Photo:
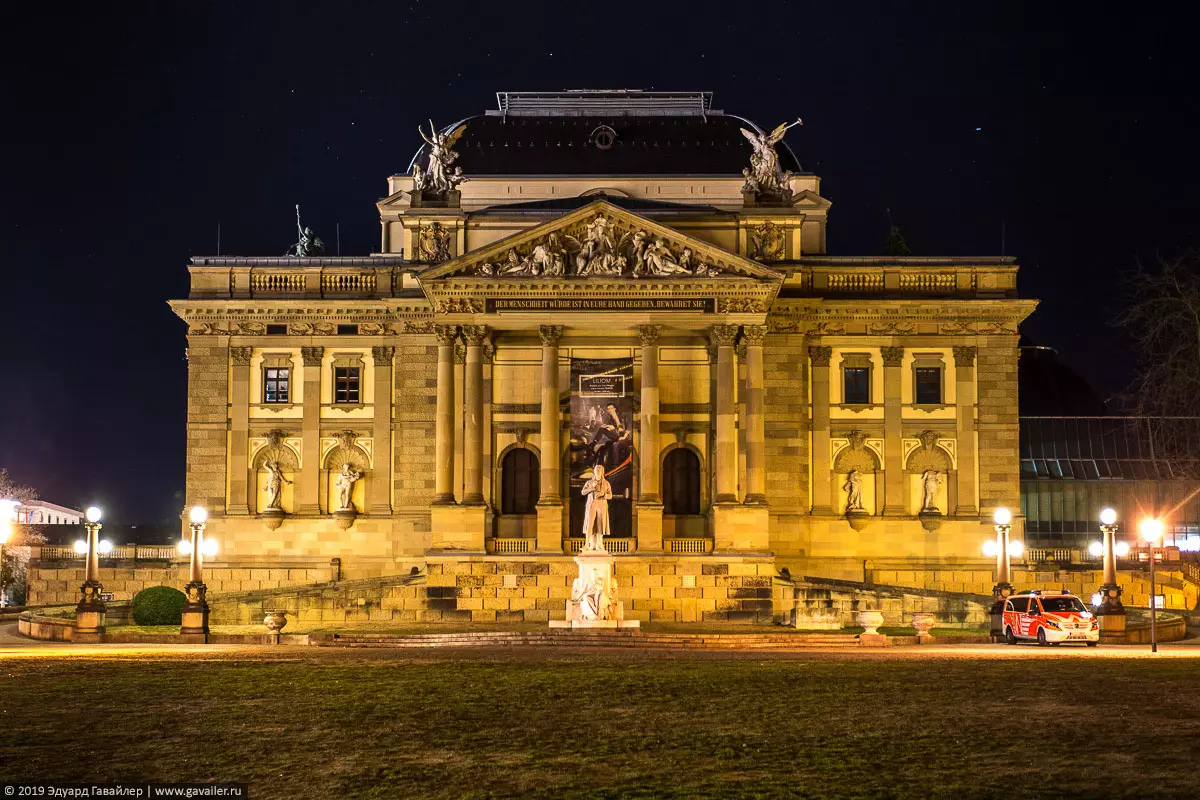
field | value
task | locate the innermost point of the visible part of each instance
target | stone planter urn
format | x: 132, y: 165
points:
x: 275, y: 620
x: 871, y: 620
x: 858, y: 519
x: 923, y: 623
x: 273, y: 518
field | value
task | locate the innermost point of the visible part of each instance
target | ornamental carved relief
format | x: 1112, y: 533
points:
x: 740, y: 305
x: 965, y: 356
x: 648, y: 334
x: 820, y: 355
x: 446, y: 334
x: 892, y: 328
x: 312, y: 329
x: 460, y: 305
x: 475, y: 335
x: 383, y: 355
x: 374, y: 328
x: 766, y: 242
x: 599, y: 247
x: 312, y: 356
x: 418, y: 326
x: 240, y: 356
x: 754, y: 334
x: 550, y: 334
x: 892, y: 356
x: 723, y: 335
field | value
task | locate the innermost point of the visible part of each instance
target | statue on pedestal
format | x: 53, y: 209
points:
x: 309, y: 243
x: 438, y: 176
x: 598, y: 492
x: 345, y: 486
x: 275, y: 482
x: 931, y: 479
x: 765, y: 174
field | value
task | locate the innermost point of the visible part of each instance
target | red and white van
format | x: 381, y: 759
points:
x: 1049, y: 618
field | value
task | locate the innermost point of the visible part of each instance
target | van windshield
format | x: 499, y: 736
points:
x: 1062, y: 605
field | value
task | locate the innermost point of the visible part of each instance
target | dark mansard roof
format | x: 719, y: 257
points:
x: 564, y: 133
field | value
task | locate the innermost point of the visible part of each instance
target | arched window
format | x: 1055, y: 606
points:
x: 519, y: 482
x: 681, y: 482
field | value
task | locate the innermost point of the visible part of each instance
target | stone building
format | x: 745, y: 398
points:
x: 622, y: 278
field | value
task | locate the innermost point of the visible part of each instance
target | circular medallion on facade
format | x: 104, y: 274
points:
x: 604, y: 137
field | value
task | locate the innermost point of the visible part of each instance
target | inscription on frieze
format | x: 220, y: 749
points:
x: 701, y: 305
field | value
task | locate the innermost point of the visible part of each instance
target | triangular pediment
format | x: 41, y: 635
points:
x: 601, y: 240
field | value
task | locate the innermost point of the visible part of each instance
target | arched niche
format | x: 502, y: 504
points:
x: 358, y: 460
x: 931, y: 456
x: 684, y: 516
x: 520, y: 480
x: 289, y: 463
x: 855, y: 457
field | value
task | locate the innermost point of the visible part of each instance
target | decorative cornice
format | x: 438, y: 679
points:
x: 312, y: 356
x: 550, y: 334
x: 820, y: 355
x: 892, y: 356
x: 965, y: 356
x: 240, y: 356
x: 723, y: 335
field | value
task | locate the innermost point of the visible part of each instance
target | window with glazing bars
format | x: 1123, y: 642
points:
x: 858, y: 385
x: 276, y: 385
x: 928, y: 386
x: 345, y: 385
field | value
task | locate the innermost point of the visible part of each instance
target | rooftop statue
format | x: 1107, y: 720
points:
x: 309, y: 244
x: 438, y: 176
x: 765, y: 174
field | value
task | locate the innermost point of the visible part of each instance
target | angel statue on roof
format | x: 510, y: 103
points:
x: 765, y: 174
x: 438, y: 176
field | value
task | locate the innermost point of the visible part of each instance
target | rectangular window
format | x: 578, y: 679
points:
x: 928, y: 386
x: 347, y: 330
x: 345, y: 385
x: 277, y: 385
x: 276, y: 330
x: 858, y: 386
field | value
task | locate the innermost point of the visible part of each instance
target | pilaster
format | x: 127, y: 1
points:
x: 239, y: 430
x: 756, y: 437
x: 308, y: 501
x: 444, y: 419
x: 964, y: 371
x: 723, y: 337
x: 550, y: 505
x: 820, y: 356
x: 649, y: 507
x: 473, y: 416
x: 380, y: 485
x: 893, y: 456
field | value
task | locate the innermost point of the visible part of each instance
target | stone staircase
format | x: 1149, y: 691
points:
x: 584, y: 638
x: 396, y: 598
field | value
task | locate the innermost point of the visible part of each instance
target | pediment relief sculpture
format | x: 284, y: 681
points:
x: 601, y: 246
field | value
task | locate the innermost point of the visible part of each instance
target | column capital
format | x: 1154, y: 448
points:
x: 446, y: 334
x: 474, y: 334
x: 383, y: 355
x: 648, y: 334
x: 965, y: 356
x: 892, y: 356
x: 754, y: 334
x: 240, y: 356
x: 550, y: 334
x: 820, y: 354
x: 312, y: 356
x: 723, y: 335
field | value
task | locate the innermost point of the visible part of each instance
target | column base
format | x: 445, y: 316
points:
x: 550, y: 525
x: 755, y: 500
x: 238, y: 510
x: 380, y: 511
x: 459, y: 527
x: 89, y: 624
x: 195, y: 621
x: 740, y: 529
x: 309, y: 510
x: 649, y: 527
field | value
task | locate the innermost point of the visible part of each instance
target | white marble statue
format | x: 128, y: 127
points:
x: 438, y: 175
x: 590, y: 597
x: 274, y: 488
x: 931, y: 479
x: 765, y: 173
x: 345, y: 486
x: 598, y: 492
x: 854, y: 491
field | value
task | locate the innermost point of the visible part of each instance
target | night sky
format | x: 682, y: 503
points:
x: 130, y: 131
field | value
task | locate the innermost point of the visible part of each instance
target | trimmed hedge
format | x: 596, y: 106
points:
x: 158, y: 605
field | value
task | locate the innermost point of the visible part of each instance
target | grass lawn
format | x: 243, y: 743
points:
x: 301, y: 722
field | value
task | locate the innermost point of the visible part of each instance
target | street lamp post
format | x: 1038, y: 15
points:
x: 1152, y: 530
x: 195, y: 609
x: 89, y: 613
x: 1003, y: 588
x: 1110, y: 612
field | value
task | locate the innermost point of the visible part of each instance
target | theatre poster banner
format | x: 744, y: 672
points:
x: 602, y: 433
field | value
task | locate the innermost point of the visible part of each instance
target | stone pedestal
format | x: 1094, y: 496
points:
x: 459, y: 527
x: 594, y: 599
x: 739, y: 528
x: 550, y: 527
x: 89, y: 613
x: 194, y: 627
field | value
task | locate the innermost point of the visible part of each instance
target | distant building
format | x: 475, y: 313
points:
x: 39, y: 512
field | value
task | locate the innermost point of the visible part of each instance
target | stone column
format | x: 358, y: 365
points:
x: 649, y: 481
x: 964, y: 371
x: 308, y: 501
x: 551, y: 471
x: 820, y: 356
x: 893, y: 457
x: 723, y: 337
x: 443, y: 475
x: 239, y: 431
x: 756, y: 437
x: 380, y: 485
x: 473, y: 416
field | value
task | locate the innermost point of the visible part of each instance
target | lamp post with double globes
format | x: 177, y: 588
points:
x: 195, y: 608
x: 89, y: 613
x: 1152, y: 531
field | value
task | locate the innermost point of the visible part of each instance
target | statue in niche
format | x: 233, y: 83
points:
x: 598, y: 492
x: 854, y: 491
x: 931, y: 479
x: 434, y: 243
x: 345, y: 486
x: 275, y: 482
x: 309, y: 244
x: 764, y: 161
x: 438, y: 175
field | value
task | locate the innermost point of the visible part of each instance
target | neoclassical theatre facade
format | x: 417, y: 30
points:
x: 631, y: 279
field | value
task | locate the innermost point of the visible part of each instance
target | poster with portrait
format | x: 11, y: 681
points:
x: 602, y: 433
